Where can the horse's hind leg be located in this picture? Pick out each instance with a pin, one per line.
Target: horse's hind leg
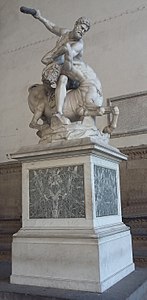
(37, 115)
(113, 124)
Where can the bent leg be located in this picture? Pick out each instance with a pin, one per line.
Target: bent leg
(37, 115)
(113, 123)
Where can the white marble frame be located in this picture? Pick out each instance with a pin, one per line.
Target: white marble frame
(90, 219)
(55, 223)
(112, 219)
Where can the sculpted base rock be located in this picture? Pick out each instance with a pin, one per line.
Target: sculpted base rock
(80, 129)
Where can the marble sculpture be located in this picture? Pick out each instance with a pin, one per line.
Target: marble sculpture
(70, 96)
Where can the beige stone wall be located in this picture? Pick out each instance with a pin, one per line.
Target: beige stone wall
(115, 47)
(10, 191)
(132, 123)
(10, 206)
(134, 199)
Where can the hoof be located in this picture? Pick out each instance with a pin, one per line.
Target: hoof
(35, 126)
(31, 125)
(58, 118)
(107, 129)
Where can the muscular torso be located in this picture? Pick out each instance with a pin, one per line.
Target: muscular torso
(76, 48)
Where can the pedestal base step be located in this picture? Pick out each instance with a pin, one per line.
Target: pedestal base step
(132, 287)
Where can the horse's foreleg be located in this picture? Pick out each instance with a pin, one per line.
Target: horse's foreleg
(37, 115)
(113, 124)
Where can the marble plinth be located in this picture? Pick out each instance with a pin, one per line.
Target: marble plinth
(72, 233)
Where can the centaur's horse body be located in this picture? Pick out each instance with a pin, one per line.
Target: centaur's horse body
(86, 100)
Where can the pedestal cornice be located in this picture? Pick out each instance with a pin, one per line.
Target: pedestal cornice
(68, 148)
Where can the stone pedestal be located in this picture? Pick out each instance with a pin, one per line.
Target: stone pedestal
(72, 234)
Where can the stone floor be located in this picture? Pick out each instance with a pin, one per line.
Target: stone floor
(132, 287)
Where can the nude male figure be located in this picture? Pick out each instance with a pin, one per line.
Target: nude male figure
(74, 39)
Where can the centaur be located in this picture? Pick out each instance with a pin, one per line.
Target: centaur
(85, 100)
(63, 63)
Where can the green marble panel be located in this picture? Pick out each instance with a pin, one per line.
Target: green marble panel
(57, 192)
(106, 195)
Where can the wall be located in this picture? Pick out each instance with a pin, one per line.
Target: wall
(10, 207)
(134, 199)
(132, 122)
(115, 47)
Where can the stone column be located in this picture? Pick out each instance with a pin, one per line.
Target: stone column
(72, 233)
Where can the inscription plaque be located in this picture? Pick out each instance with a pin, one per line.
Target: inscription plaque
(57, 192)
(106, 197)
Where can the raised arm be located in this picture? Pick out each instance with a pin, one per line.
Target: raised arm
(48, 24)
